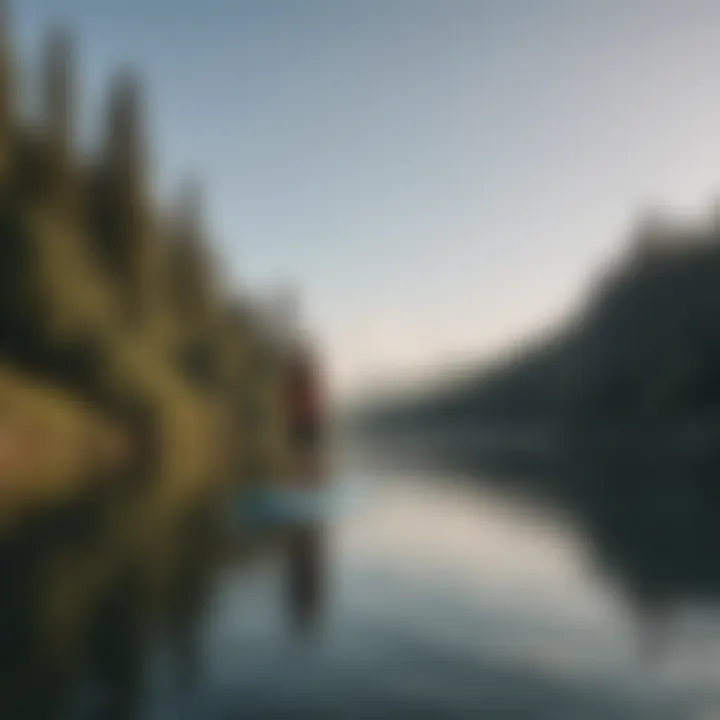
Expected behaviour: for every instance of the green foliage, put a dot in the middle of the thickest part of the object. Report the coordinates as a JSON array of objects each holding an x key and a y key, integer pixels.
[{"x": 113, "y": 325}]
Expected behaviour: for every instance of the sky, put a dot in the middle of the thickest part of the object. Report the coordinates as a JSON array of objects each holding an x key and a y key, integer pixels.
[{"x": 439, "y": 178}]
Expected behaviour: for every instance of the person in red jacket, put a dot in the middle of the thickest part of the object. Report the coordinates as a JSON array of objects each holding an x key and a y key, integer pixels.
[
  {"x": 306, "y": 561},
  {"x": 305, "y": 410}
]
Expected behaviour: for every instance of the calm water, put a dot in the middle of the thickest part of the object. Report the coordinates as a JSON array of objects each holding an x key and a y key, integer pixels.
[{"x": 447, "y": 601}]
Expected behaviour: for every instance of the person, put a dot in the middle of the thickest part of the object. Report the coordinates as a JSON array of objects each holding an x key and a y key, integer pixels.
[
  {"x": 305, "y": 417},
  {"x": 306, "y": 555}
]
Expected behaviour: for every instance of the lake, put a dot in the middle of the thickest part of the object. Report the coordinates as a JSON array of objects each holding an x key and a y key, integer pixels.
[{"x": 447, "y": 600}]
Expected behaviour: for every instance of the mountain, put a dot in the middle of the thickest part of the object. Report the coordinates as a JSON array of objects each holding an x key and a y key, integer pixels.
[{"x": 644, "y": 348}]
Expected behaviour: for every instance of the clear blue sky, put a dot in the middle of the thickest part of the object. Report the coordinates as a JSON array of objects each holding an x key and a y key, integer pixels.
[{"x": 439, "y": 176}]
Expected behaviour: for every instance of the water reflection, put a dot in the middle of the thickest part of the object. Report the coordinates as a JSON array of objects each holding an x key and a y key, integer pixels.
[
  {"x": 84, "y": 613},
  {"x": 653, "y": 521},
  {"x": 448, "y": 597},
  {"x": 417, "y": 632}
]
